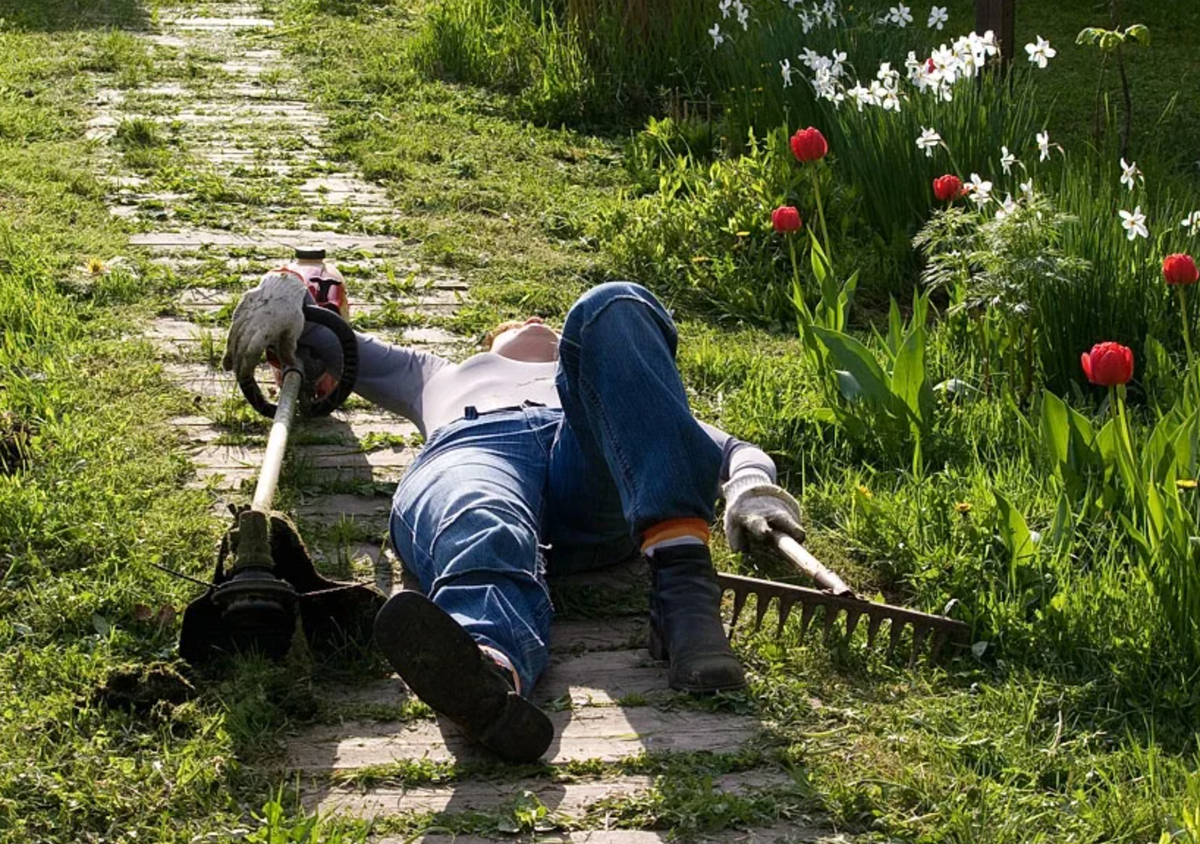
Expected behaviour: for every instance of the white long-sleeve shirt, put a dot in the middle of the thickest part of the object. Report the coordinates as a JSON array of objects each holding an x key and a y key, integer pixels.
[{"x": 432, "y": 391}]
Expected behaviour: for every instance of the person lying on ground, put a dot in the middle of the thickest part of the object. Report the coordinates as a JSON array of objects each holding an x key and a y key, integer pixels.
[{"x": 547, "y": 452}]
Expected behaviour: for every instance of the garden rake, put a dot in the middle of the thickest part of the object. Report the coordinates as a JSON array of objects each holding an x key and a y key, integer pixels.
[{"x": 834, "y": 598}]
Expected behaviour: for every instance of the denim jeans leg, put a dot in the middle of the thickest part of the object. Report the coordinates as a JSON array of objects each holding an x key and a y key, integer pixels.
[
  {"x": 464, "y": 521},
  {"x": 626, "y": 417}
]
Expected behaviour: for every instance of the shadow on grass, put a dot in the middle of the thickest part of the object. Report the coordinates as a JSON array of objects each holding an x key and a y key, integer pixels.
[{"x": 66, "y": 15}]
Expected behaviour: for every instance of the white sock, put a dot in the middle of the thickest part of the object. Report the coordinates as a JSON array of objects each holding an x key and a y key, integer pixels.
[{"x": 672, "y": 543}]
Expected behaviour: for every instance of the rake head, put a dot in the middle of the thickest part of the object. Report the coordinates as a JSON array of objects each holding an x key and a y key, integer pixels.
[{"x": 935, "y": 629}]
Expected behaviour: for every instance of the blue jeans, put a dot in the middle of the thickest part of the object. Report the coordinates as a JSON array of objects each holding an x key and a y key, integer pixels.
[{"x": 496, "y": 499}]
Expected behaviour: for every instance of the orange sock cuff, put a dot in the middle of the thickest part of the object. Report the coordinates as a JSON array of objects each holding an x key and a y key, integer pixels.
[{"x": 675, "y": 529}]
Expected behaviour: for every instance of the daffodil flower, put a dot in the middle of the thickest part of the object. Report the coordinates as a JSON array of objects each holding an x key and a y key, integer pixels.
[
  {"x": 980, "y": 192},
  {"x": 1134, "y": 223},
  {"x": 938, "y": 17},
  {"x": 1007, "y": 160},
  {"x": 1191, "y": 222},
  {"x": 1130, "y": 173},
  {"x": 1043, "y": 142},
  {"x": 928, "y": 140},
  {"x": 785, "y": 67},
  {"x": 1040, "y": 52},
  {"x": 717, "y": 37}
]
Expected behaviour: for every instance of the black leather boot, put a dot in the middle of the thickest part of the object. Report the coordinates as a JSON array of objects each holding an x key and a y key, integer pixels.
[
  {"x": 685, "y": 621},
  {"x": 442, "y": 665}
]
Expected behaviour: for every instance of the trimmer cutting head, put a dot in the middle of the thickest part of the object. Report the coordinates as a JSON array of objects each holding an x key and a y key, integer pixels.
[{"x": 258, "y": 611}]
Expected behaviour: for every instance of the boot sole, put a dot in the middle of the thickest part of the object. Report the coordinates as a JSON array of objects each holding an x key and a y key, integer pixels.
[{"x": 440, "y": 662}]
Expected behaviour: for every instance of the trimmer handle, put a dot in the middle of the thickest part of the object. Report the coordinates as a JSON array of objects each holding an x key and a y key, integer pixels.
[{"x": 345, "y": 386}]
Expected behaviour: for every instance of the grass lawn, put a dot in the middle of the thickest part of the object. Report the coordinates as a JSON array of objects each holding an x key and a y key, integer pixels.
[{"x": 1059, "y": 731}]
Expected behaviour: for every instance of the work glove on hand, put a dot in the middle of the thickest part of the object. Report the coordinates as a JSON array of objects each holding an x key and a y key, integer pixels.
[
  {"x": 754, "y": 506},
  {"x": 271, "y": 316}
]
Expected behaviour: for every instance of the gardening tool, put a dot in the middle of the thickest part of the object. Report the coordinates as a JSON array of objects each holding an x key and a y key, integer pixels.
[
  {"x": 831, "y": 600},
  {"x": 253, "y": 605}
]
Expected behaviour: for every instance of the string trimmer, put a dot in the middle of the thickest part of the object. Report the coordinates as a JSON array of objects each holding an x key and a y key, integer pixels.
[
  {"x": 833, "y": 599},
  {"x": 253, "y": 602}
]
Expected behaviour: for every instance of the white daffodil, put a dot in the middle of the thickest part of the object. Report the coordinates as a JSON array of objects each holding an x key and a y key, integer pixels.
[
  {"x": 979, "y": 191},
  {"x": 717, "y": 37},
  {"x": 1027, "y": 187},
  {"x": 861, "y": 96},
  {"x": 1040, "y": 52},
  {"x": 900, "y": 15},
  {"x": 938, "y": 17},
  {"x": 785, "y": 68},
  {"x": 1006, "y": 207},
  {"x": 1007, "y": 160},
  {"x": 743, "y": 15},
  {"x": 1134, "y": 223},
  {"x": 928, "y": 140},
  {"x": 725, "y": 6},
  {"x": 1191, "y": 222},
  {"x": 1043, "y": 142},
  {"x": 1130, "y": 174}
]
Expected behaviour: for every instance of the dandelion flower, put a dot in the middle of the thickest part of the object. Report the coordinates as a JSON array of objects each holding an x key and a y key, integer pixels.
[
  {"x": 963, "y": 507},
  {"x": 1186, "y": 483},
  {"x": 1040, "y": 52},
  {"x": 1043, "y": 142},
  {"x": 938, "y": 17},
  {"x": 717, "y": 37},
  {"x": 1130, "y": 174},
  {"x": 865, "y": 491},
  {"x": 1134, "y": 223},
  {"x": 928, "y": 140}
]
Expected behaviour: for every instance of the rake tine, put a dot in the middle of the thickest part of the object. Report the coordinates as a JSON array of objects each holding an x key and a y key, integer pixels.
[
  {"x": 940, "y": 638},
  {"x": 852, "y": 617},
  {"x": 919, "y": 632},
  {"x": 785, "y": 609},
  {"x": 806, "y": 617},
  {"x": 831, "y": 615},
  {"x": 873, "y": 623},
  {"x": 739, "y": 604},
  {"x": 894, "y": 637},
  {"x": 760, "y": 611}
]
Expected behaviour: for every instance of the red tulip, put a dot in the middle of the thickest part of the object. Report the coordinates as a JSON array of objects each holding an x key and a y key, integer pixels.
[
  {"x": 1108, "y": 364},
  {"x": 786, "y": 219},
  {"x": 947, "y": 188},
  {"x": 809, "y": 144},
  {"x": 1180, "y": 269}
]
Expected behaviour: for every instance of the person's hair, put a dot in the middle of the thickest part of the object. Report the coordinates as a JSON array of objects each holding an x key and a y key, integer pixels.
[{"x": 491, "y": 336}]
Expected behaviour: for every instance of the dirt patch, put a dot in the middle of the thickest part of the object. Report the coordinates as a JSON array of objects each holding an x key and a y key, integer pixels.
[
  {"x": 140, "y": 688},
  {"x": 15, "y": 435}
]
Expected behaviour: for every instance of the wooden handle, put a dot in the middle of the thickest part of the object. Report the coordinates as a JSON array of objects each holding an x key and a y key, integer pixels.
[
  {"x": 268, "y": 476},
  {"x": 799, "y": 556}
]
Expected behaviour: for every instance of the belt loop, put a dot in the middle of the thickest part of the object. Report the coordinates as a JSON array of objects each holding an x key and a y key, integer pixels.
[{"x": 469, "y": 412}]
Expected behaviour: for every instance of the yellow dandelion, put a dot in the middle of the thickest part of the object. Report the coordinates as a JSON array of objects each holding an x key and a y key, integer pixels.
[
  {"x": 95, "y": 266},
  {"x": 1186, "y": 483},
  {"x": 743, "y": 234},
  {"x": 701, "y": 259},
  {"x": 964, "y": 507},
  {"x": 865, "y": 491}
]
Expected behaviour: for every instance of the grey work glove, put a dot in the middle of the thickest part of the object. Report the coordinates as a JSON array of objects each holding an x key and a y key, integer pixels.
[
  {"x": 271, "y": 316},
  {"x": 754, "y": 506}
]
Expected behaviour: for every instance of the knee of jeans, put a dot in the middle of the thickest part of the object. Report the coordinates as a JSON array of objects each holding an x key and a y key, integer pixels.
[
  {"x": 614, "y": 298},
  {"x": 485, "y": 538}
]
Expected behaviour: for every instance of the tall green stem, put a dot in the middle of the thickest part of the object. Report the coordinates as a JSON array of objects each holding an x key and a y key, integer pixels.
[
  {"x": 791, "y": 241},
  {"x": 821, "y": 216},
  {"x": 1187, "y": 331}
]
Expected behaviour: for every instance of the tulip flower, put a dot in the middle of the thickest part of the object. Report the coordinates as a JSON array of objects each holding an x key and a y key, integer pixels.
[
  {"x": 786, "y": 219},
  {"x": 809, "y": 145},
  {"x": 947, "y": 188},
  {"x": 1108, "y": 364},
  {"x": 1179, "y": 271}
]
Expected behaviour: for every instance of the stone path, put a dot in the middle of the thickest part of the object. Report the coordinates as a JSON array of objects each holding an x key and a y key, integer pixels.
[{"x": 250, "y": 184}]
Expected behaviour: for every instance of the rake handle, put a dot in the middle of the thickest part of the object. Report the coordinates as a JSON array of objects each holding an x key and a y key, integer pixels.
[{"x": 799, "y": 556}]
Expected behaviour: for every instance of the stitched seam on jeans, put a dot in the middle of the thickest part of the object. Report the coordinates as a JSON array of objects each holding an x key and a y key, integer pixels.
[{"x": 625, "y": 465}]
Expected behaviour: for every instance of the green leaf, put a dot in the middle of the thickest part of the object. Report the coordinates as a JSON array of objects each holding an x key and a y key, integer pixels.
[
  {"x": 1056, "y": 431},
  {"x": 1089, "y": 35},
  {"x": 851, "y": 357},
  {"x": 909, "y": 380},
  {"x": 819, "y": 261},
  {"x": 1110, "y": 40},
  {"x": 1014, "y": 533},
  {"x": 1140, "y": 33}
]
